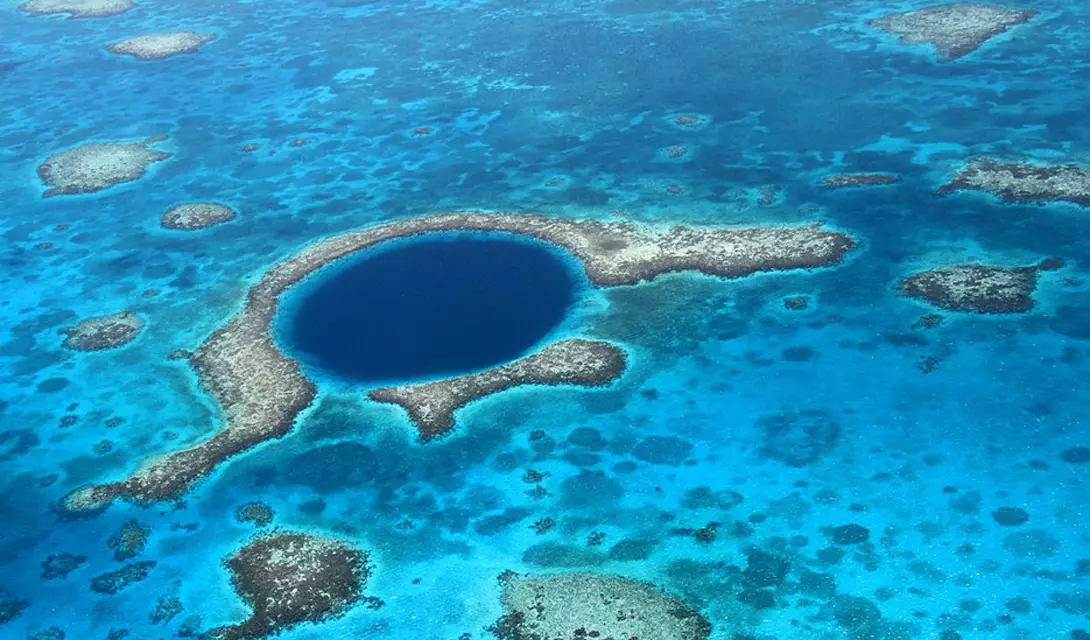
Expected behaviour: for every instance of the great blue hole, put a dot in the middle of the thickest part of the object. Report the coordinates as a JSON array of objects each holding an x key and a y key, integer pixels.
[{"x": 428, "y": 307}]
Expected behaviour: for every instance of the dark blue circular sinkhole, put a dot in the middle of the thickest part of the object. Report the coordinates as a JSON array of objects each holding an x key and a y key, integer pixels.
[{"x": 428, "y": 307}]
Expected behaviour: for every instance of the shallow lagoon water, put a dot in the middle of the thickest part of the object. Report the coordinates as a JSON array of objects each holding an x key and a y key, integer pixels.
[{"x": 781, "y": 425}]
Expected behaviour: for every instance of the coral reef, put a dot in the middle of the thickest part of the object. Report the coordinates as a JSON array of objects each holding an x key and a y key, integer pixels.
[
  {"x": 10, "y": 609},
  {"x": 431, "y": 405},
  {"x": 257, "y": 513},
  {"x": 196, "y": 215},
  {"x": 588, "y": 605},
  {"x": 129, "y": 541},
  {"x": 156, "y": 46},
  {"x": 1024, "y": 182},
  {"x": 77, "y": 8},
  {"x": 954, "y": 29},
  {"x": 291, "y": 578},
  {"x": 59, "y": 565},
  {"x": 103, "y": 332},
  {"x": 845, "y": 180},
  {"x": 96, "y": 166},
  {"x": 261, "y": 390},
  {"x": 113, "y": 581},
  {"x": 798, "y": 438},
  {"x": 976, "y": 288}
]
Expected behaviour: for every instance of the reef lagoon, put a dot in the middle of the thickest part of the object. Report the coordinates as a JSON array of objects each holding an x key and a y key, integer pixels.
[{"x": 484, "y": 320}]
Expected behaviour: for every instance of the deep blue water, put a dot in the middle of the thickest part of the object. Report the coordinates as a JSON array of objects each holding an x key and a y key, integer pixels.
[
  {"x": 430, "y": 307},
  {"x": 787, "y": 428}
]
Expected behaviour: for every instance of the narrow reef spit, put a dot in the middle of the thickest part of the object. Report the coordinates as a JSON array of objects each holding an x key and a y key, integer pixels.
[
  {"x": 1024, "y": 182},
  {"x": 976, "y": 288},
  {"x": 292, "y": 578},
  {"x": 845, "y": 180},
  {"x": 103, "y": 332},
  {"x": 196, "y": 215},
  {"x": 156, "y": 46},
  {"x": 261, "y": 390},
  {"x": 77, "y": 8},
  {"x": 955, "y": 29},
  {"x": 431, "y": 405},
  {"x": 589, "y": 605},
  {"x": 96, "y": 166}
]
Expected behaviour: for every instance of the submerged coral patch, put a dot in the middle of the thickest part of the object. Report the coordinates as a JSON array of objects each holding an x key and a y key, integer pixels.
[
  {"x": 156, "y": 46},
  {"x": 1024, "y": 182},
  {"x": 196, "y": 215},
  {"x": 261, "y": 390},
  {"x": 291, "y": 578},
  {"x": 975, "y": 288},
  {"x": 103, "y": 332},
  {"x": 954, "y": 29},
  {"x": 77, "y": 8},
  {"x": 590, "y": 605},
  {"x": 431, "y": 405},
  {"x": 96, "y": 166}
]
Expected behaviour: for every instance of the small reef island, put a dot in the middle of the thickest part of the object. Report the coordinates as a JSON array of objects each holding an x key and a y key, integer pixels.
[
  {"x": 96, "y": 166},
  {"x": 977, "y": 288},
  {"x": 261, "y": 390},
  {"x": 590, "y": 605},
  {"x": 156, "y": 46},
  {"x": 103, "y": 332},
  {"x": 77, "y": 8},
  {"x": 291, "y": 578},
  {"x": 1024, "y": 182},
  {"x": 955, "y": 29},
  {"x": 196, "y": 215},
  {"x": 431, "y": 405}
]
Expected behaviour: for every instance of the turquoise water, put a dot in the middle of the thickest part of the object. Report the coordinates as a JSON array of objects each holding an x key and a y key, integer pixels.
[{"x": 784, "y": 426}]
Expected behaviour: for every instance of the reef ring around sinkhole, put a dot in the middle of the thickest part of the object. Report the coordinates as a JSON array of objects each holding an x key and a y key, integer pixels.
[{"x": 262, "y": 391}]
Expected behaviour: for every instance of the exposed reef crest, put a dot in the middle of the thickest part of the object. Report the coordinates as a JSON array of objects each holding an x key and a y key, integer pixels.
[
  {"x": 96, "y": 166},
  {"x": 955, "y": 29},
  {"x": 156, "y": 46},
  {"x": 1024, "y": 182},
  {"x": 261, "y": 390},
  {"x": 431, "y": 405}
]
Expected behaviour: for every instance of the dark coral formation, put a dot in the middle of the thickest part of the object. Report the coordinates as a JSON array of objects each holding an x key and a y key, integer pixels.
[
  {"x": 256, "y": 513},
  {"x": 96, "y": 166},
  {"x": 796, "y": 303},
  {"x": 975, "y": 288},
  {"x": 156, "y": 46},
  {"x": 10, "y": 609},
  {"x": 103, "y": 332},
  {"x": 845, "y": 180},
  {"x": 431, "y": 405},
  {"x": 77, "y": 8},
  {"x": 589, "y": 605},
  {"x": 196, "y": 215},
  {"x": 798, "y": 438},
  {"x": 129, "y": 541},
  {"x": 59, "y": 565},
  {"x": 113, "y": 581},
  {"x": 955, "y": 29},
  {"x": 261, "y": 390},
  {"x": 1024, "y": 182},
  {"x": 292, "y": 578}
]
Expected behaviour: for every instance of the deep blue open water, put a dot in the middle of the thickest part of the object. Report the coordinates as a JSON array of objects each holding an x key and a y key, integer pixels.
[
  {"x": 429, "y": 308},
  {"x": 947, "y": 503}
]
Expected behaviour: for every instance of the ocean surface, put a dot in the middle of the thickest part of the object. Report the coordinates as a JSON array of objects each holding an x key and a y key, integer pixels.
[{"x": 888, "y": 479}]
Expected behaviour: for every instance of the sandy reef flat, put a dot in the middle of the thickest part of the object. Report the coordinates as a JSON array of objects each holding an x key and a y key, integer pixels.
[{"x": 157, "y": 46}]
